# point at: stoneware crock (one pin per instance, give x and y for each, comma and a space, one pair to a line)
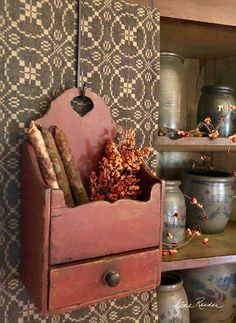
174, 214
211, 293
172, 300
211, 98
215, 191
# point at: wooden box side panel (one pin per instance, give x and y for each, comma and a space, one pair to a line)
85, 284
86, 135
102, 228
34, 225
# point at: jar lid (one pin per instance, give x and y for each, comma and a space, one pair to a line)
217, 89
172, 55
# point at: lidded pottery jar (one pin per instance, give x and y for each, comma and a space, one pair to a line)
211, 98
215, 191
172, 111
172, 301
174, 214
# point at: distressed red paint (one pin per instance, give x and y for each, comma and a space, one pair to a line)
99, 236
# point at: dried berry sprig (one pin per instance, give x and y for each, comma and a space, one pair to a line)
205, 164
172, 247
194, 201
200, 131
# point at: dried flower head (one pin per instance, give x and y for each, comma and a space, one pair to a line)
197, 233
205, 241
193, 200
207, 120
215, 134
172, 251
182, 134
189, 232
220, 108
169, 235
118, 169
177, 215
233, 138
206, 218
169, 252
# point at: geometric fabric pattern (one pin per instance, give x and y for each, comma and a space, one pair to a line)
38, 60
120, 61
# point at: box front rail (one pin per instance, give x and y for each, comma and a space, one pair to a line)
102, 228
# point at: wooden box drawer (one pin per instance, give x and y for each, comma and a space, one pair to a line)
85, 283
101, 228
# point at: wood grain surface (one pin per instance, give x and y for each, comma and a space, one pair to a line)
220, 249
211, 11
83, 283
196, 144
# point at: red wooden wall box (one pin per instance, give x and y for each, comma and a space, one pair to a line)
74, 257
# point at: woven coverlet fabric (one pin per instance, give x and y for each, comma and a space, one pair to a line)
38, 60
120, 61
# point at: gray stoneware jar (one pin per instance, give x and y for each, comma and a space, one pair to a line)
174, 205
211, 293
172, 300
172, 112
215, 191
211, 98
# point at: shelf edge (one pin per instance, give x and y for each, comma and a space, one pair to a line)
197, 263
195, 144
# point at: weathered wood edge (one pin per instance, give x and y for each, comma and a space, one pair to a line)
195, 144
197, 263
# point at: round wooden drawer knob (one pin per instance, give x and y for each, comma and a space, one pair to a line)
112, 278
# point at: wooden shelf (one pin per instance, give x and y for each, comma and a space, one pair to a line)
197, 40
220, 249
211, 11
195, 144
